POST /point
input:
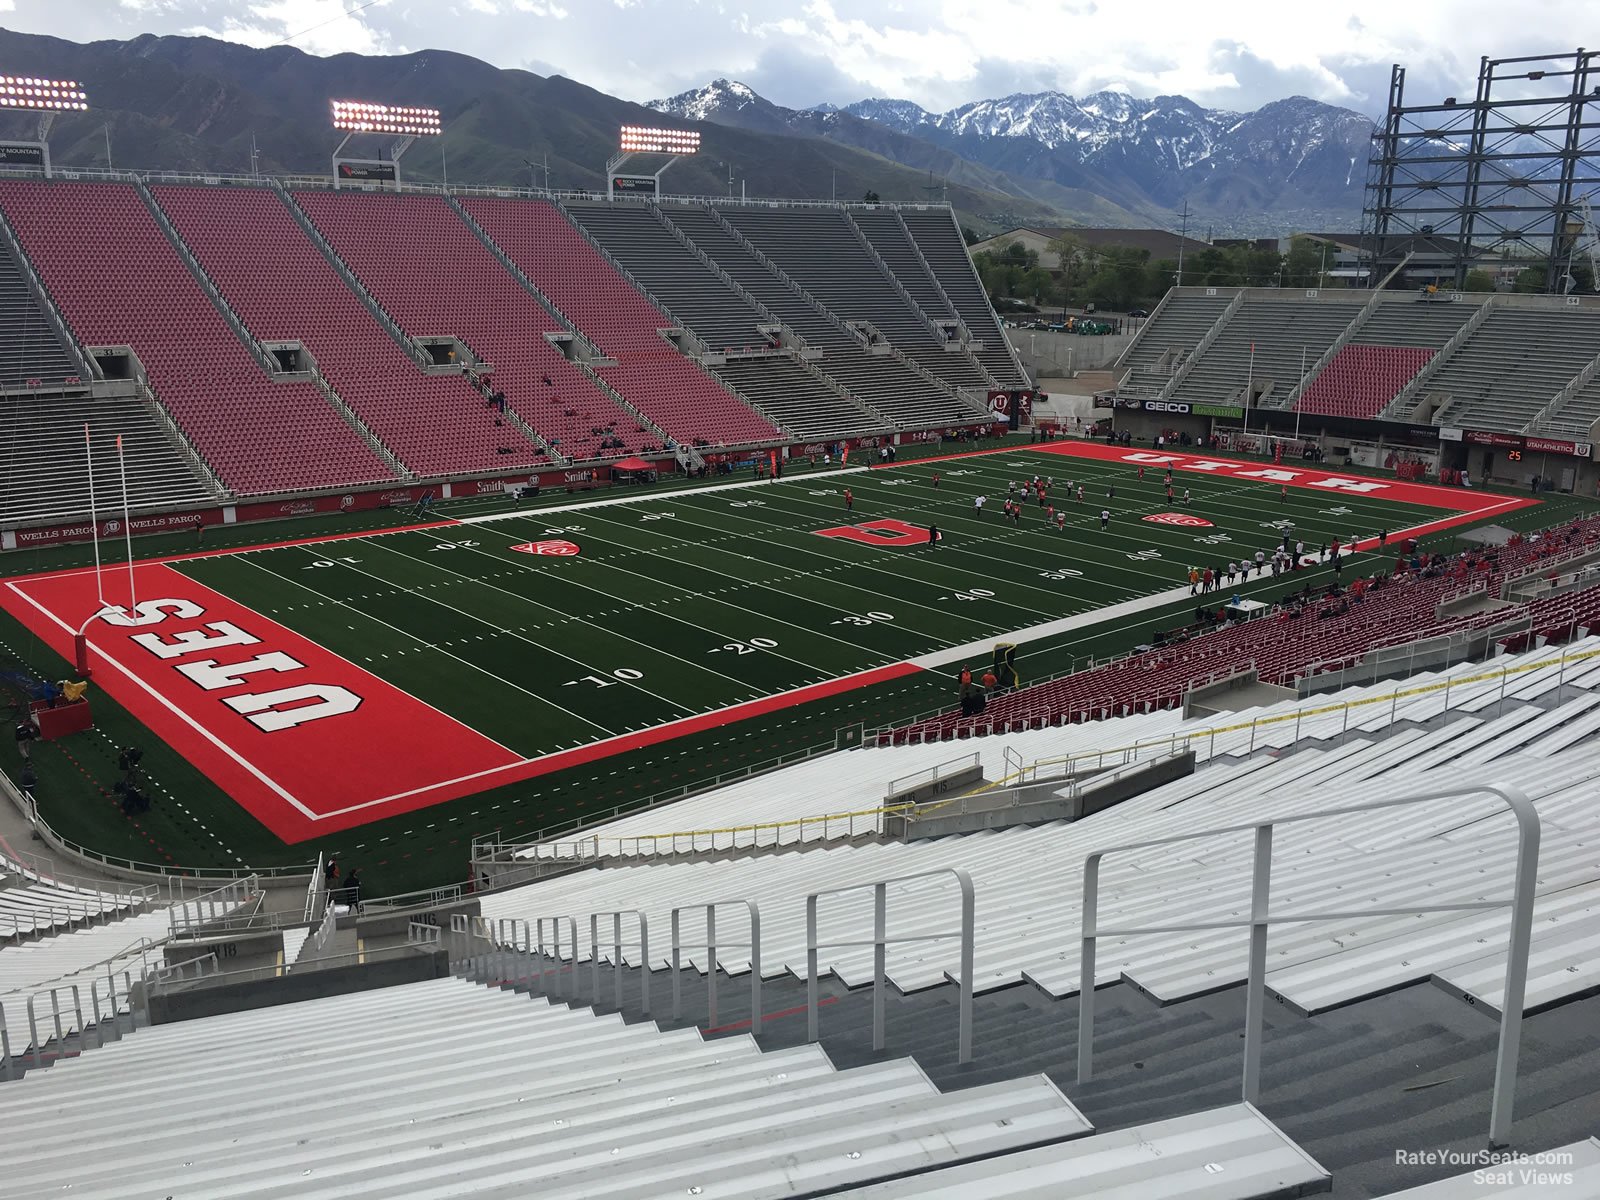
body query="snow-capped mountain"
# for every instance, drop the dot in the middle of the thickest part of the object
(1288, 154)
(1296, 155)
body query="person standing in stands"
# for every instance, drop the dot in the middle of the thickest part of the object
(330, 875)
(352, 889)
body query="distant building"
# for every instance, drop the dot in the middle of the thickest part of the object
(1269, 244)
(1161, 243)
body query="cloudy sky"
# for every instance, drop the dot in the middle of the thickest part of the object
(940, 53)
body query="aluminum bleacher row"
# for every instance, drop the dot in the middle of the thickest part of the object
(569, 1104)
(34, 902)
(1029, 876)
(1536, 731)
(439, 1088)
(781, 809)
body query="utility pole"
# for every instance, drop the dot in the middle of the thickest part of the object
(1183, 237)
(255, 155)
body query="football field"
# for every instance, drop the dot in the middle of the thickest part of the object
(331, 683)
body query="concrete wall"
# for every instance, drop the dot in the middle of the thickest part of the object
(193, 1003)
(940, 789)
(1039, 804)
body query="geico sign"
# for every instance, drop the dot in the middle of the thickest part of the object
(1166, 406)
(271, 711)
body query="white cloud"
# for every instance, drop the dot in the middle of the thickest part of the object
(939, 53)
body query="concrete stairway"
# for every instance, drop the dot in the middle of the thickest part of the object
(1410, 1070)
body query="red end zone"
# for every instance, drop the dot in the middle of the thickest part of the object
(1470, 505)
(305, 741)
(287, 728)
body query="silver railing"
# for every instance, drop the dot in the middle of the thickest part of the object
(1261, 918)
(710, 946)
(215, 905)
(317, 891)
(931, 774)
(423, 933)
(322, 934)
(617, 966)
(880, 941)
(103, 1023)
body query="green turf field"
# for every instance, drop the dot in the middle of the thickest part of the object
(683, 605)
(680, 603)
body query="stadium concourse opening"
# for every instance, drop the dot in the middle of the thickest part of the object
(327, 685)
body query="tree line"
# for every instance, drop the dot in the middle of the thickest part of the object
(1123, 277)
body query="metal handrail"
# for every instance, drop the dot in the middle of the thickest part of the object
(316, 891)
(616, 954)
(1520, 903)
(881, 940)
(711, 944)
(932, 773)
(213, 906)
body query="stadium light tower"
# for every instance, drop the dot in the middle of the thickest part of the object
(43, 99)
(403, 124)
(655, 150)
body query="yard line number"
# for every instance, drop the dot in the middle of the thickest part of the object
(870, 618)
(747, 647)
(621, 674)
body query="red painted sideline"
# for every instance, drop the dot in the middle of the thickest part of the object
(518, 772)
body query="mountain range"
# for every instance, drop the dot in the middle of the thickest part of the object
(194, 104)
(1294, 161)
